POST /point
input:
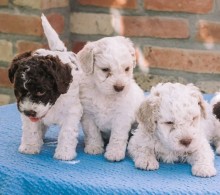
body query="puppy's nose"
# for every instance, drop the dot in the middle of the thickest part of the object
(30, 113)
(118, 88)
(186, 141)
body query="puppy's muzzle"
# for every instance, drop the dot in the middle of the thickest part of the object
(30, 113)
(185, 141)
(118, 88)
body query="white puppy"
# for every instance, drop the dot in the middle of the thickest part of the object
(109, 95)
(172, 124)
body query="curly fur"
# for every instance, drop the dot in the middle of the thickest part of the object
(47, 92)
(215, 135)
(174, 125)
(109, 95)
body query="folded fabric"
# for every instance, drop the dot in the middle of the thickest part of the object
(87, 174)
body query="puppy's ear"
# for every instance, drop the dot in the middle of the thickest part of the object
(16, 63)
(60, 72)
(147, 113)
(131, 48)
(86, 58)
(201, 102)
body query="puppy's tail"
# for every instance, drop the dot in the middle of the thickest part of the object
(53, 39)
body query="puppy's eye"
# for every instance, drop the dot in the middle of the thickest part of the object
(127, 69)
(39, 94)
(105, 69)
(195, 118)
(169, 123)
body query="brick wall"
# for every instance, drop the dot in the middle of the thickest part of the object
(174, 36)
(20, 30)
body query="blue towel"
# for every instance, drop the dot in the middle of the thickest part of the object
(87, 174)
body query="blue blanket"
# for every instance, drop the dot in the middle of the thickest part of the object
(87, 174)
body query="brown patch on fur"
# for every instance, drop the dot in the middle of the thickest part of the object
(216, 110)
(147, 114)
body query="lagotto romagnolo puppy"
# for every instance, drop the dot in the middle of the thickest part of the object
(47, 92)
(109, 95)
(215, 135)
(173, 121)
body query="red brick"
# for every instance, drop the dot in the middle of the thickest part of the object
(20, 24)
(161, 27)
(124, 4)
(23, 46)
(190, 6)
(208, 32)
(3, 2)
(4, 81)
(57, 22)
(78, 45)
(48, 4)
(183, 60)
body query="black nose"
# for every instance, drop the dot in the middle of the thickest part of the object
(30, 113)
(118, 88)
(186, 141)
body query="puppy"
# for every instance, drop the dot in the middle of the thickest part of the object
(215, 135)
(172, 124)
(47, 91)
(109, 95)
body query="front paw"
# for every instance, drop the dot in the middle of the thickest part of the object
(204, 170)
(65, 153)
(149, 164)
(29, 149)
(93, 149)
(114, 154)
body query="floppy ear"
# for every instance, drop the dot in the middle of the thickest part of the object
(86, 58)
(15, 64)
(147, 113)
(131, 48)
(60, 72)
(201, 102)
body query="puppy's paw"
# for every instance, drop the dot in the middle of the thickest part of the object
(93, 149)
(149, 164)
(204, 170)
(65, 154)
(114, 154)
(29, 149)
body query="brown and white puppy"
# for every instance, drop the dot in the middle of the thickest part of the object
(46, 86)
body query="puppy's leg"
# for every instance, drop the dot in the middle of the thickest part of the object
(32, 137)
(93, 138)
(143, 156)
(202, 161)
(115, 150)
(67, 139)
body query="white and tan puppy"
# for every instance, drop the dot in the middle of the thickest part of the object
(109, 95)
(173, 121)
